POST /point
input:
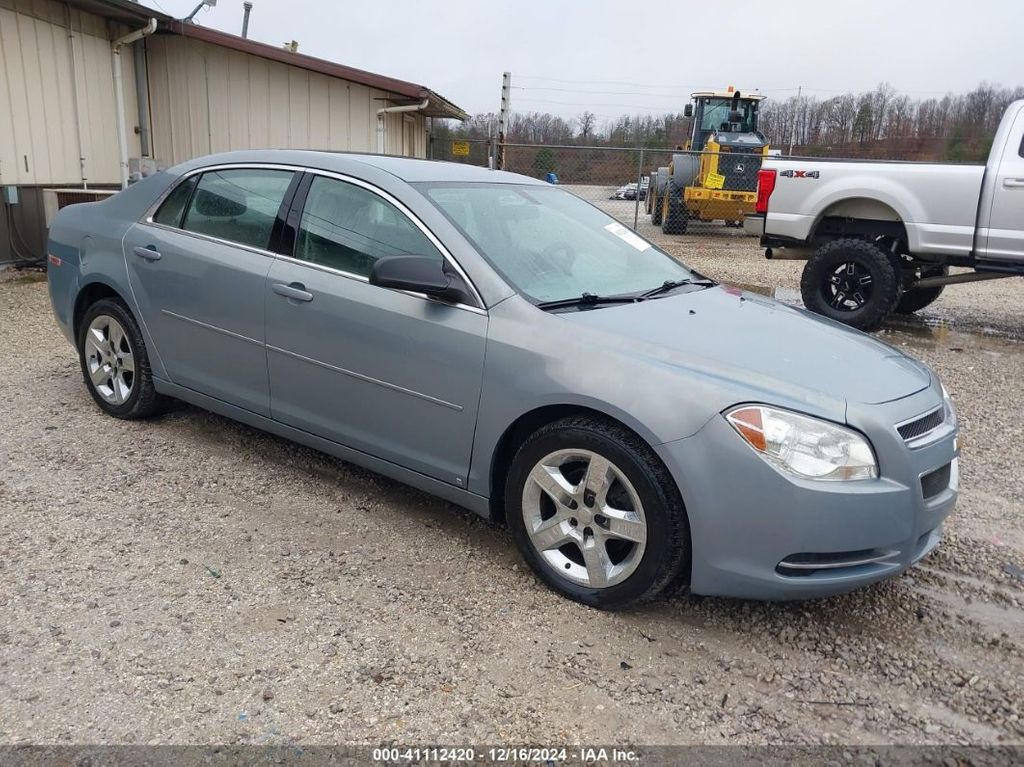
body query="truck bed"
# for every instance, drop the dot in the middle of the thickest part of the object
(937, 202)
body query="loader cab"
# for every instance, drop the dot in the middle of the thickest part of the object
(725, 115)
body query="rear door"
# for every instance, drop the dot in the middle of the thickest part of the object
(387, 372)
(198, 271)
(1002, 236)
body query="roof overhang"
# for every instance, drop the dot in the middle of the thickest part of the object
(132, 14)
(399, 91)
(124, 12)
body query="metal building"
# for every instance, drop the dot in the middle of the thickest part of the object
(93, 91)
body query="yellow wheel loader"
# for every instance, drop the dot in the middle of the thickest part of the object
(714, 178)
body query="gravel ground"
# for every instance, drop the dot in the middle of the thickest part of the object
(191, 580)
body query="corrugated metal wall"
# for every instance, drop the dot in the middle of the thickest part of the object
(49, 55)
(206, 99)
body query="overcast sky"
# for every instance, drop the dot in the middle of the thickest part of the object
(611, 58)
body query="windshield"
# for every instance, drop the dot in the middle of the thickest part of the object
(716, 112)
(551, 245)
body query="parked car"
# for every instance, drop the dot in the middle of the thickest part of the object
(498, 342)
(880, 237)
(625, 192)
(631, 190)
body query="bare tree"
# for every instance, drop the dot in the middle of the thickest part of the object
(587, 122)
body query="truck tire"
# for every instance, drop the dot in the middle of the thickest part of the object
(673, 211)
(656, 211)
(918, 298)
(852, 281)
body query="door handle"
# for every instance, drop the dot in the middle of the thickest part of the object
(296, 291)
(1013, 183)
(150, 254)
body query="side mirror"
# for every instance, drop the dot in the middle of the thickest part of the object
(419, 274)
(688, 110)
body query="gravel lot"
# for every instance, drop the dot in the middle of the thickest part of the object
(191, 580)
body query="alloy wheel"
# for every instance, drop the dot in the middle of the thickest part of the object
(584, 518)
(849, 287)
(109, 359)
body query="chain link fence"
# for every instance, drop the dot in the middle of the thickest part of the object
(650, 190)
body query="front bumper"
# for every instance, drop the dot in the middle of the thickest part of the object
(749, 520)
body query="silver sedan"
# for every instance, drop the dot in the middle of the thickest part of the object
(499, 342)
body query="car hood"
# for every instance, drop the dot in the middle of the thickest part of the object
(749, 339)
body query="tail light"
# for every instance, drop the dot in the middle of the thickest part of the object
(765, 187)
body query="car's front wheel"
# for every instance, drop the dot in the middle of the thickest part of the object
(114, 362)
(596, 514)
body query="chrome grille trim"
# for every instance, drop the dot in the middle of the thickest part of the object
(918, 427)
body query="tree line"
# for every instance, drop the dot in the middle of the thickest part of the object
(881, 123)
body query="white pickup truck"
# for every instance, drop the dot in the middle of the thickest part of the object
(880, 237)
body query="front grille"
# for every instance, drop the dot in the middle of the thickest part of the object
(934, 482)
(914, 429)
(740, 169)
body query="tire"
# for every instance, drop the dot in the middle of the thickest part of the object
(675, 218)
(656, 210)
(109, 341)
(916, 299)
(642, 494)
(839, 268)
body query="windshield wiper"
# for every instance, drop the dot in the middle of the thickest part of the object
(586, 300)
(668, 285)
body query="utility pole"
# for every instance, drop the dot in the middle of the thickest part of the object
(246, 10)
(506, 105)
(792, 128)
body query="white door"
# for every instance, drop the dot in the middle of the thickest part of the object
(1005, 231)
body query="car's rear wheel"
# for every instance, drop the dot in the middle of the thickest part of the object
(596, 514)
(114, 362)
(852, 281)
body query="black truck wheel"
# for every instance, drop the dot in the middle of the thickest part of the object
(852, 281)
(675, 217)
(918, 298)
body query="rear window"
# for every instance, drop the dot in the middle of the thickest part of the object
(238, 205)
(173, 207)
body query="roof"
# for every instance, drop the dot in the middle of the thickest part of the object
(400, 91)
(409, 169)
(751, 95)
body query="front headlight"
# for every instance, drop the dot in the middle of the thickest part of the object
(803, 446)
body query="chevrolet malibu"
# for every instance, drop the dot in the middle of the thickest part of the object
(500, 343)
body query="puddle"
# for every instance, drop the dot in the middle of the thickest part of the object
(921, 331)
(789, 296)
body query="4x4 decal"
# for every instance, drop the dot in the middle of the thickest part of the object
(800, 173)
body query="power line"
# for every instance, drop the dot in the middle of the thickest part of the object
(590, 104)
(599, 93)
(692, 88)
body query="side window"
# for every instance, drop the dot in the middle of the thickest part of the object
(347, 227)
(239, 205)
(173, 207)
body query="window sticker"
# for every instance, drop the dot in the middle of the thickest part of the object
(628, 236)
